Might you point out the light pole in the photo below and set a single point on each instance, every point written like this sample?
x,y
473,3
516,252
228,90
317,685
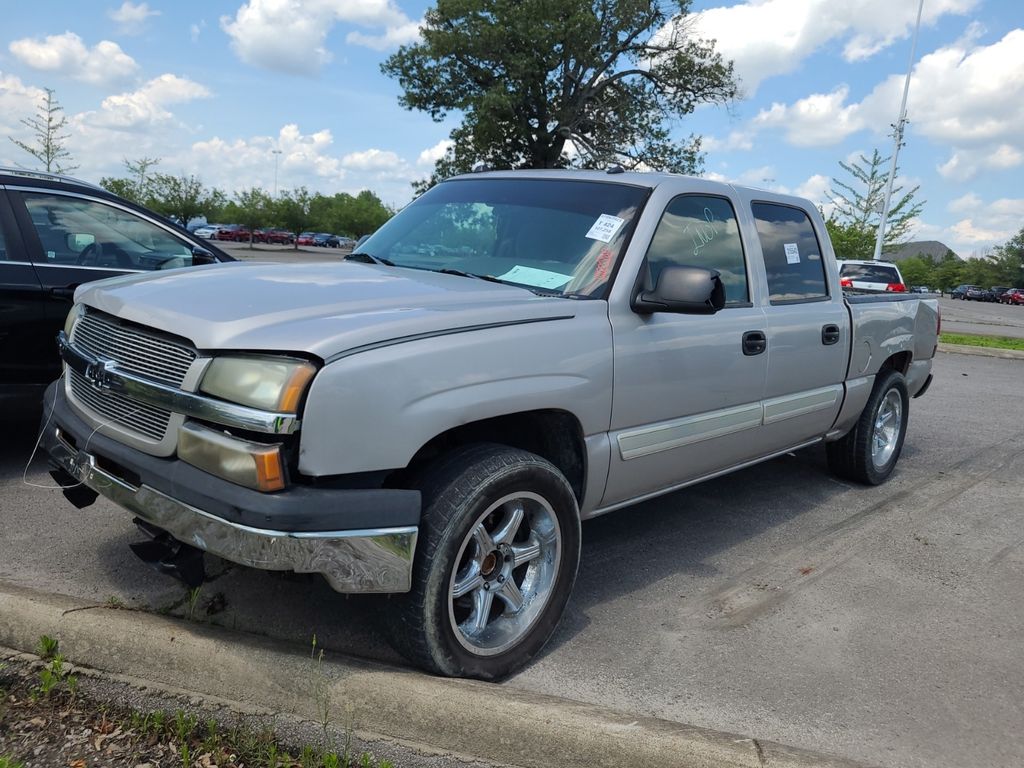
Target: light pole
x,y
898,139
276,153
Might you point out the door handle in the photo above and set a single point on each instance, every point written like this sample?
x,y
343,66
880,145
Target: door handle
x,y
754,343
830,334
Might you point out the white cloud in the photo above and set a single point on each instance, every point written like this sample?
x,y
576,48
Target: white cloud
x,y
392,37
195,30
772,37
17,101
431,155
67,55
966,96
131,18
735,140
984,224
291,35
142,108
371,160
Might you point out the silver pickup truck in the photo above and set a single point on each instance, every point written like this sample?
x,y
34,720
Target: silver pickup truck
x,y
511,354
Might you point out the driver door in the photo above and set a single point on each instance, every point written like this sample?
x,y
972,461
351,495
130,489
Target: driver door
x,y
72,239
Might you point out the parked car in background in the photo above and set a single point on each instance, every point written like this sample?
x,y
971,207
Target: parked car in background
x,y
280,236
346,242
306,238
208,232
977,293
325,240
871,276
1012,296
997,291
57,233
960,292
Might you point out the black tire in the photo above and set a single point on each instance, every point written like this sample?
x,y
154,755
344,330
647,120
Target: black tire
x,y
463,492
852,456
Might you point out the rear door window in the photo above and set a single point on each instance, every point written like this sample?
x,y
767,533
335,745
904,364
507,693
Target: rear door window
x,y
792,254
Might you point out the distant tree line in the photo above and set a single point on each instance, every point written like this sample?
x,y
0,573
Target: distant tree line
x,y
185,197
1003,266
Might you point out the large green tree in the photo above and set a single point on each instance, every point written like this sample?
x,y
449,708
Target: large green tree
x,y
530,76
48,145
183,197
857,208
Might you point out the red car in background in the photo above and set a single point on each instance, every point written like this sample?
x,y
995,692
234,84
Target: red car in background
x,y
281,236
234,232
1012,296
306,238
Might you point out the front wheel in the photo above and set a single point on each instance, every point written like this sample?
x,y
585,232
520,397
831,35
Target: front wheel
x,y
497,555
868,453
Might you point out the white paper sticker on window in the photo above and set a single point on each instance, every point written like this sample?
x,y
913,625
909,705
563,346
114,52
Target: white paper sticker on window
x,y
605,227
792,253
538,278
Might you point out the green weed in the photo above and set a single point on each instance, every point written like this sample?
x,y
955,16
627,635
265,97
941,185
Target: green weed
x,y
46,648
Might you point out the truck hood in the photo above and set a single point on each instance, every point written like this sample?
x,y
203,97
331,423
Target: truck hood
x,y
321,309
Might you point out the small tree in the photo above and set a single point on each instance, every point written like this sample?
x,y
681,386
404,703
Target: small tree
x,y
254,209
48,146
137,186
858,206
292,209
183,197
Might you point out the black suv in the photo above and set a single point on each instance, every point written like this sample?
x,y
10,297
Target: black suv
x,y
55,234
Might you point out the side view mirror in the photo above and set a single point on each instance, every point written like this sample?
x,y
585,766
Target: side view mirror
x,y
685,290
201,256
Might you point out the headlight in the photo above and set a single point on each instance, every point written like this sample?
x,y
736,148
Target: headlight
x,y
270,383
76,312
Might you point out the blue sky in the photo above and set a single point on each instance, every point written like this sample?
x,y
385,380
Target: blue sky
x,y
214,87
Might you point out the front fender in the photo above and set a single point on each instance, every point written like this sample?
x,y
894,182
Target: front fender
x,y
375,409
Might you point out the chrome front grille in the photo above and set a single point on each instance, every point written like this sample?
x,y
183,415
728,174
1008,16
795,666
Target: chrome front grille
x,y
140,417
134,350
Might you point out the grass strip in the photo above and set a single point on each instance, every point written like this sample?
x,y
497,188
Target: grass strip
x,y
973,340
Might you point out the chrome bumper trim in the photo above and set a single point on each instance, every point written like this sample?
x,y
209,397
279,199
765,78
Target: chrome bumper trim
x,y
105,374
366,561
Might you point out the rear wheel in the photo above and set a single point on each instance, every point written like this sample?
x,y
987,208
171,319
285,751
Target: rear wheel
x,y
496,560
868,453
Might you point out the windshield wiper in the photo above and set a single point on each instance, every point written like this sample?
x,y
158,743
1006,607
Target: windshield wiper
x,y
461,273
368,258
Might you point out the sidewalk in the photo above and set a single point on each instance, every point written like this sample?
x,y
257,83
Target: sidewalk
x,y
466,718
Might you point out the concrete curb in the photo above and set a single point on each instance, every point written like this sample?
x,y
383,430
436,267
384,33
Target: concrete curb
x,y
488,722
968,349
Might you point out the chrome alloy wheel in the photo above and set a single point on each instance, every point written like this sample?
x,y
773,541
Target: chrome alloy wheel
x,y
507,566
886,434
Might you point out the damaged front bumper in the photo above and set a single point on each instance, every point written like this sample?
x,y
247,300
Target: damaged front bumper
x,y
364,559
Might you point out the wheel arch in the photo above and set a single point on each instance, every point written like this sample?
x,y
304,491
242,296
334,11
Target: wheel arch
x,y
553,434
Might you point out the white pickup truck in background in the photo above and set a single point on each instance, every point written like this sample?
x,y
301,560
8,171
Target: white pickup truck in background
x,y
511,354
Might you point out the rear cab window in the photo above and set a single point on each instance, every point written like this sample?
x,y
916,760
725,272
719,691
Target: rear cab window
x,y
870,273
792,254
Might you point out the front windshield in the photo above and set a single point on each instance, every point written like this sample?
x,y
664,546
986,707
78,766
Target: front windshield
x,y
552,236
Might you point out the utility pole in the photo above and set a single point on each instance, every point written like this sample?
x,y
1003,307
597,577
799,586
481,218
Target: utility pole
x,y
898,139
277,152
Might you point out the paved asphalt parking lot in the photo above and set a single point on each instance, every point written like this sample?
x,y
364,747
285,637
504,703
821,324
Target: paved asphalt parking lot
x,y
880,624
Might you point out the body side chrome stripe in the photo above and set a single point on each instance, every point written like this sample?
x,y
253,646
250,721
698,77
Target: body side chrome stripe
x,y
705,426
790,406
692,429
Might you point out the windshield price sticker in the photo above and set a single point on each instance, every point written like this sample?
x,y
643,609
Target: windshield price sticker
x,y
605,227
538,278
792,253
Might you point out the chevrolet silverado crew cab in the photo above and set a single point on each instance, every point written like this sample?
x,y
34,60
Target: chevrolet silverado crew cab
x,y
513,353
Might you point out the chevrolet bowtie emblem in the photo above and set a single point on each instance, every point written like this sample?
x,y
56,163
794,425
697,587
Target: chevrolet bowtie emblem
x,y
98,374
